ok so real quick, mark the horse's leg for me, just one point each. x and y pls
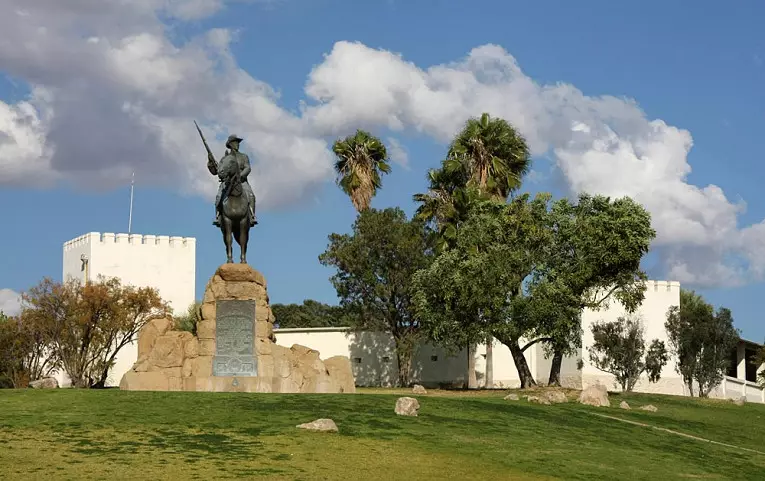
(244, 234)
(237, 231)
(226, 229)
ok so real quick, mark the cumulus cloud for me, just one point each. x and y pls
(10, 302)
(604, 145)
(112, 94)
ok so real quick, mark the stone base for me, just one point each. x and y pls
(171, 360)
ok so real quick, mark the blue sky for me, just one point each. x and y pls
(698, 67)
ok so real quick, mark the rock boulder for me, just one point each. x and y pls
(407, 406)
(44, 383)
(595, 395)
(321, 425)
(417, 389)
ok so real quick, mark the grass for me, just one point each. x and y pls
(111, 434)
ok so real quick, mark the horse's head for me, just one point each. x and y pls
(230, 173)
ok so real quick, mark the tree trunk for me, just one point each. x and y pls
(404, 367)
(557, 361)
(489, 384)
(472, 383)
(524, 373)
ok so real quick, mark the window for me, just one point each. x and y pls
(434, 358)
(386, 359)
(357, 360)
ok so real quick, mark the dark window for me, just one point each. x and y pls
(434, 358)
(386, 359)
(751, 366)
(357, 360)
(732, 363)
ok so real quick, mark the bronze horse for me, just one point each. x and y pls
(234, 210)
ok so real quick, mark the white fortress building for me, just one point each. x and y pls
(163, 262)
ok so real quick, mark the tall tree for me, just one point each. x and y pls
(310, 314)
(88, 325)
(595, 257)
(476, 288)
(361, 159)
(486, 160)
(375, 264)
(702, 340)
(573, 256)
(491, 154)
(618, 348)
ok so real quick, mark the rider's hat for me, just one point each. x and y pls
(232, 138)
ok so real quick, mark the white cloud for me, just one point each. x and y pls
(603, 145)
(397, 152)
(10, 302)
(111, 94)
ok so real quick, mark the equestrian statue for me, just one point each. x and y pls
(235, 202)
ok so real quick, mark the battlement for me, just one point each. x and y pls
(130, 239)
(662, 286)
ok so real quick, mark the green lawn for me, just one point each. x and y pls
(111, 434)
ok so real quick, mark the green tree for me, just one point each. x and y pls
(619, 348)
(476, 288)
(594, 258)
(702, 341)
(310, 314)
(486, 160)
(189, 319)
(361, 159)
(375, 264)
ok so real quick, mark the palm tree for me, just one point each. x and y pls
(361, 158)
(492, 154)
(445, 204)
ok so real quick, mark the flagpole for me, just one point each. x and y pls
(130, 218)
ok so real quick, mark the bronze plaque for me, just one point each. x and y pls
(234, 339)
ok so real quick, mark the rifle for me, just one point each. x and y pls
(210, 156)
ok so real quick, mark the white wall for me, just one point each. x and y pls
(373, 359)
(162, 262)
(659, 297)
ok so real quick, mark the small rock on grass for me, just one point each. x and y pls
(624, 405)
(511, 397)
(538, 400)
(649, 408)
(407, 406)
(322, 425)
(44, 383)
(417, 389)
(595, 395)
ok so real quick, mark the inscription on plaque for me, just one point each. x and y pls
(234, 336)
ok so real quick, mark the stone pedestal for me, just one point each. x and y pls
(234, 349)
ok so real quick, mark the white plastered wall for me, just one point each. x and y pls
(659, 297)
